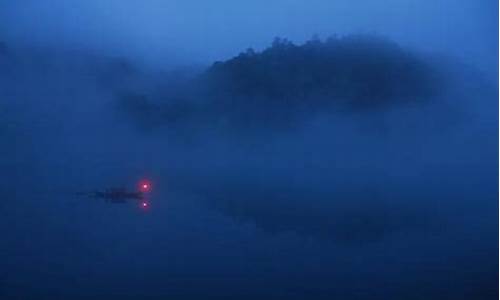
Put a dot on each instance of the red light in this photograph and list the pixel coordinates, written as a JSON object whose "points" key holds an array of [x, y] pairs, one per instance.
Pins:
{"points": [[144, 204], [144, 186]]}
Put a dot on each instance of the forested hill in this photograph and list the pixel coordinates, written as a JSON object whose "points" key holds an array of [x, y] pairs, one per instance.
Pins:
{"points": [[358, 68], [286, 83]]}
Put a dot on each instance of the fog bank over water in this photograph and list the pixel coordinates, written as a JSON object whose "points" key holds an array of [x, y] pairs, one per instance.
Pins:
{"points": [[356, 166]]}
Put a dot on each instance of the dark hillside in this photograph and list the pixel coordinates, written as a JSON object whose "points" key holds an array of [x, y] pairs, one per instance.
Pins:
{"points": [[367, 69], [286, 82]]}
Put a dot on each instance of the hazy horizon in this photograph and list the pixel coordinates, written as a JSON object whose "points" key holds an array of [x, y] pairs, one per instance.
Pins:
{"points": [[168, 33], [360, 167]]}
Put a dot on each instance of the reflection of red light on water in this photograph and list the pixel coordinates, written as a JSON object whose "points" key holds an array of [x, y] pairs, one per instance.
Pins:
{"points": [[144, 205]]}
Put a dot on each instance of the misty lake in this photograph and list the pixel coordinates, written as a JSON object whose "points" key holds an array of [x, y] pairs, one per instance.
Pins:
{"points": [[381, 182], [287, 226]]}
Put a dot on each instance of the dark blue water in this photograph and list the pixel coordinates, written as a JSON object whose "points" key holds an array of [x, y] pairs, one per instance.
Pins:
{"points": [[384, 206]]}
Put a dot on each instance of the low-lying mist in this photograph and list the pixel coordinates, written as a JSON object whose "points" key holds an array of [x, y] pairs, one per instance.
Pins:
{"points": [[350, 138], [353, 141], [324, 127]]}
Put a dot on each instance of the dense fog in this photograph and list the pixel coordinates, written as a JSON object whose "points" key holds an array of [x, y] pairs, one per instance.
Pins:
{"points": [[349, 165]]}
